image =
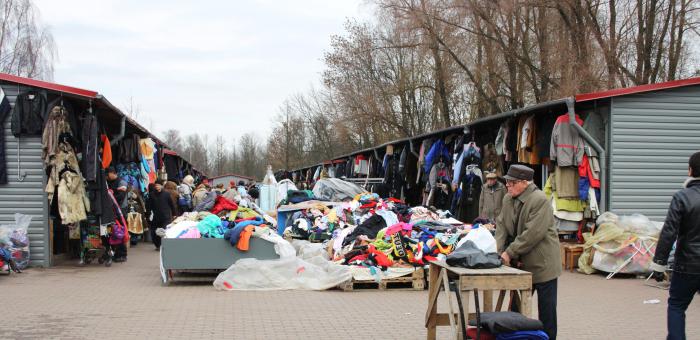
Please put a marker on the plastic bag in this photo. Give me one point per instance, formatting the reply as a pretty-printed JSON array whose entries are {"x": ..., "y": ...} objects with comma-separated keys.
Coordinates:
[
  {"x": 336, "y": 190},
  {"x": 307, "y": 250},
  {"x": 268, "y": 191},
  {"x": 639, "y": 224},
  {"x": 482, "y": 238},
  {"x": 316, "y": 273},
  {"x": 15, "y": 239}
]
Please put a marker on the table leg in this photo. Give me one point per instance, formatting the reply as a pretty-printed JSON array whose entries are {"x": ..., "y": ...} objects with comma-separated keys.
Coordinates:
[
  {"x": 446, "y": 283},
  {"x": 488, "y": 301},
  {"x": 499, "y": 303},
  {"x": 526, "y": 302},
  {"x": 433, "y": 292}
]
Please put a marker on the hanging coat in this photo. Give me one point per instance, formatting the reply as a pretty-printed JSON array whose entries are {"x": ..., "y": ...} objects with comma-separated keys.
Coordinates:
[
  {"x": 28, "y": 114},
  {"x": 4, "y": 111},
  {"x": 72, "y": 200},
  {"x": 89, "y": 139}
]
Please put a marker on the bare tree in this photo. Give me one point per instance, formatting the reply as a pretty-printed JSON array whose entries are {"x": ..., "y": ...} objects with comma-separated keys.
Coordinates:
[{"x": 26, "y": 46}]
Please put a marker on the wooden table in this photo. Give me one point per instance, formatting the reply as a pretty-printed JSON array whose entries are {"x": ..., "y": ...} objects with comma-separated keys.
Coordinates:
[{"x": 473, "y": 280}]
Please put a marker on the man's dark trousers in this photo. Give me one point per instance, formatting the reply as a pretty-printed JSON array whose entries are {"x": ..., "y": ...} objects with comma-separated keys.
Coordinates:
[
  {"x": 683, "y": 288},
  {"x": 546, "y": 306}
]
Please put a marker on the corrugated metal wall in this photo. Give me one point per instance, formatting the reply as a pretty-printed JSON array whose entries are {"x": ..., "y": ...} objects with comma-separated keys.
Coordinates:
[
  {"x": 653, "y": 134},
  {"x": 26, "y": 197}
]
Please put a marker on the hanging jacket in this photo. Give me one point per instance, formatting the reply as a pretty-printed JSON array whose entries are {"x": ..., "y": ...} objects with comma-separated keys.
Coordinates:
[
  {"x": 106, "y": 152},
  {"x": 567, "y": 146},
  {"x": 56, "y": 124},
  {"x": 90, "y": 147},
  {"x": 5, "y": 109},
  {"x": 28, "y": 114},
  {"x": 72, "y": 200},
  {"x": 470, "y": 155},
  {"x": 438, "y": 149},
  {"x": 491, "y": 200},
  {"x": 129, "y": 149}
]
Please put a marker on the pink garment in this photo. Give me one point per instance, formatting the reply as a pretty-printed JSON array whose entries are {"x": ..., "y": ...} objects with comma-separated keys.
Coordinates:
[
  {"x": 401, "y": 226},
  {"x": 191, "y": 233}
]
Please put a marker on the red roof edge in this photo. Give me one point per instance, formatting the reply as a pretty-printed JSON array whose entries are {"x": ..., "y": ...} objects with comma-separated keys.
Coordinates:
[
  {"x": 49, "y": 86},
  {"x": 637, "y": 89}
]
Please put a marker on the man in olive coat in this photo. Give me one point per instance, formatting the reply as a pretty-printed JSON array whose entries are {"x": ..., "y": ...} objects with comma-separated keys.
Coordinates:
[
  {"x": 491, "y": 199},
  {"x": 527, "y": 238}
]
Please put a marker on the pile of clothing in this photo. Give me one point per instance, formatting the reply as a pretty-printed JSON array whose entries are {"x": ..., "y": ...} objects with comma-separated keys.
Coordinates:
[
  {"x": 223, "y": 219},
  {"x": 375, "y": 233}
]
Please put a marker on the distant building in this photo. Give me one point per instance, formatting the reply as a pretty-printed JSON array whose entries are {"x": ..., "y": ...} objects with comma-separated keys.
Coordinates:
[{"x": 226, "y": 179}]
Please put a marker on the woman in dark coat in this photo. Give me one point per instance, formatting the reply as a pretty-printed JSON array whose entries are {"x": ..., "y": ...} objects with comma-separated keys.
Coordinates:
[{"x": 160, "y": 204}]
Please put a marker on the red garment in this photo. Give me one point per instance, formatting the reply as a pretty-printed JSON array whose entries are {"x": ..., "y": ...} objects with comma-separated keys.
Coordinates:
[
  {"x": 222, "y": 203},
  {"x": 360, "y": 258},
  {"x": 106, "y": 152},
  {"x": 584, "y": 170},
  {"x": 369, "y": 205},
  {"x": 380, "y": 257},
  {"x": 395, "y": 200},
  {"x": 244, "y": 219},
  {"x": 244, "y": 241}
]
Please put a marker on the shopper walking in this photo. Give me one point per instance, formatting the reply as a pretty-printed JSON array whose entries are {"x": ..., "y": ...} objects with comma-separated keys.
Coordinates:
[
  {"x": 160, "y": 205},
  {"x": 682, "y": 226},
  {"x": 527, "y": 238}
]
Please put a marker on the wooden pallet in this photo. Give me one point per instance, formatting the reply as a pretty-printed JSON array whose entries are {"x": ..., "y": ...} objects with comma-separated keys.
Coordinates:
[{"x": 414, "y": 281}]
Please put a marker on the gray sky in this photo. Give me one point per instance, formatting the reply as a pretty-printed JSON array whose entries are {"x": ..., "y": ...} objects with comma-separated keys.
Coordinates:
[{"x": 215, "y": 67}]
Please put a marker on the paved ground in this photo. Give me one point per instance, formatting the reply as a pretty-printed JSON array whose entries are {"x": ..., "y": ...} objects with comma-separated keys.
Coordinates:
[{"x": 127, "y": 301}]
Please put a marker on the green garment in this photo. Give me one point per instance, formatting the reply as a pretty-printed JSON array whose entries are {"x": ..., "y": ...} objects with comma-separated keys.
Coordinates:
[{"x": 573, "y": 205}]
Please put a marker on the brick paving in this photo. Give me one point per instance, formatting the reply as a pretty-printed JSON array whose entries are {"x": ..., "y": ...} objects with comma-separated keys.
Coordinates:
[{"x": 127, "y": 301}]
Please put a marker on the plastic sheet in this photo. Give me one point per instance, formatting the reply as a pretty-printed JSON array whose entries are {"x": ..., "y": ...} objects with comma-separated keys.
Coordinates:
[
  {"x": 315, "y": 273},
  {"x": 639, "y": 224},
  {"x": 14, "y": 238},
  {"x": 307, "y": 250},
  {"x": 482, "y": 238},
  {"x": 336, "y": 190},
  {"x": 620, "y": 245}
]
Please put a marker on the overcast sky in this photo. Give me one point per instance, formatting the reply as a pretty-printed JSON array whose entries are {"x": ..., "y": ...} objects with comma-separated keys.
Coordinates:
[{"x": 220, "y": 67}]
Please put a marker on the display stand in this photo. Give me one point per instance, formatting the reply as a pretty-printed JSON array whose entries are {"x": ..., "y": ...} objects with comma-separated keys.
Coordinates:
[
  {"x": 500, "y": 279},
  {"x": 185, "y": 254}
]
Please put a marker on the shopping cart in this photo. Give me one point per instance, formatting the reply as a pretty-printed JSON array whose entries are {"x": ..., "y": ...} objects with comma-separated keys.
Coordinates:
[{"x": 93, "y": 247}]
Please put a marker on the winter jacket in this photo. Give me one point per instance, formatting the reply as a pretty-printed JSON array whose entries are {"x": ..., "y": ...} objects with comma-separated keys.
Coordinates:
[
  {"x": 525, "y": 230},
  {"x": 491, "y": 200},
  {"x": 683, "y": 227},
  {"x": 5, "y": 109},
  {"x": 567, "y": 146},
  {"x": 128, "y": 150},
  {"x": 56, "y": 124},
  {"x": 90, "y": 148},
  {"x": 162, "y": 207},
  {"x": 73, "y": 203},
  {"x": 438, "y": 149},
  {"x": 470, "y": 155},
  {"x": 208, "y": 202},
  {"x": 199, "y": 194},
  {"x": 28, "y": 114}
]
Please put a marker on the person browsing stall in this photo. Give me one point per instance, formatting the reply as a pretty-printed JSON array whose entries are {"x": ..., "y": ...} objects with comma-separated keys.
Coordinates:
[{"x": 527, "y": 238}]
